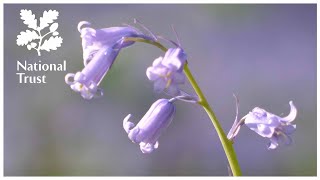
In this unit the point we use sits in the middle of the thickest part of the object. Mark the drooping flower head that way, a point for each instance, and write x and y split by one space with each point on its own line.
277 129
271 126
94 39
86 82
100 49
150 127
167 72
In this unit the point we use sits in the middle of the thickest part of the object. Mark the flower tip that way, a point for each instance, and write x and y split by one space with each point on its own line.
156 145
127 125
149 74
272 146
86 96
68 78
147 148
126 119
292 106
82 23
293 113
294 126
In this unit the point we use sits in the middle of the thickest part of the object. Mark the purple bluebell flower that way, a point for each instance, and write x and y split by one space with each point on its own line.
100 49
150 127
94 39
86 82
268 125
271 126
167 72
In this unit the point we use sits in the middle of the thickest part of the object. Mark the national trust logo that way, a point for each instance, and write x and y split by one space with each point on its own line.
37 37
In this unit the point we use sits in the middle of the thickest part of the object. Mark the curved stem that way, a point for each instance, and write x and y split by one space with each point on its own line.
226 143
155 43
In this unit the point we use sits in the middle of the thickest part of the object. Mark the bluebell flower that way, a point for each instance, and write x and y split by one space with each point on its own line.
100 49
94 39
150 127
277 129
271 126
167 72
86 82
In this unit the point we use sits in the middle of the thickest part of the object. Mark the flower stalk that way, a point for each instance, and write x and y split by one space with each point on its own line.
226 143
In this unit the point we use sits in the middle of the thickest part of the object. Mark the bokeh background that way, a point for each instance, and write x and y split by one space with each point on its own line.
265 54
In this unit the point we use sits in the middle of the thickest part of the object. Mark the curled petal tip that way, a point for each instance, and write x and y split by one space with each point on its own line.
273 143
127 118
147 148
293 113
272 146
156 145
126 124
68 77
82 23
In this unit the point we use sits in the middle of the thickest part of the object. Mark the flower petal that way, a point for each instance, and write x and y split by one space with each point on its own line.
159 85
289 129
151 74
179 78
253 119
76 87
156 145
264 130
157 62
292 115
82 23
284 138
151 126
127 125
274 143
146 148
87 93
173 90
69 78
272 120
133 133
174 59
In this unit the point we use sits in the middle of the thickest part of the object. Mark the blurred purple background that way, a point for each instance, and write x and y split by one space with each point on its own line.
265 54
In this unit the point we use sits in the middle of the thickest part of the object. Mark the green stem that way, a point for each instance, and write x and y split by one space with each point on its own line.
155 43
226 143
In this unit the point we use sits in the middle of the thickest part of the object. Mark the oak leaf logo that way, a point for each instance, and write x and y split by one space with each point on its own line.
34 37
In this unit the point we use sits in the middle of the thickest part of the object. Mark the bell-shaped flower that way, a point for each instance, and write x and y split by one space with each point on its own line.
94 39
167 72
267 125
271 126
150 127
86 82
